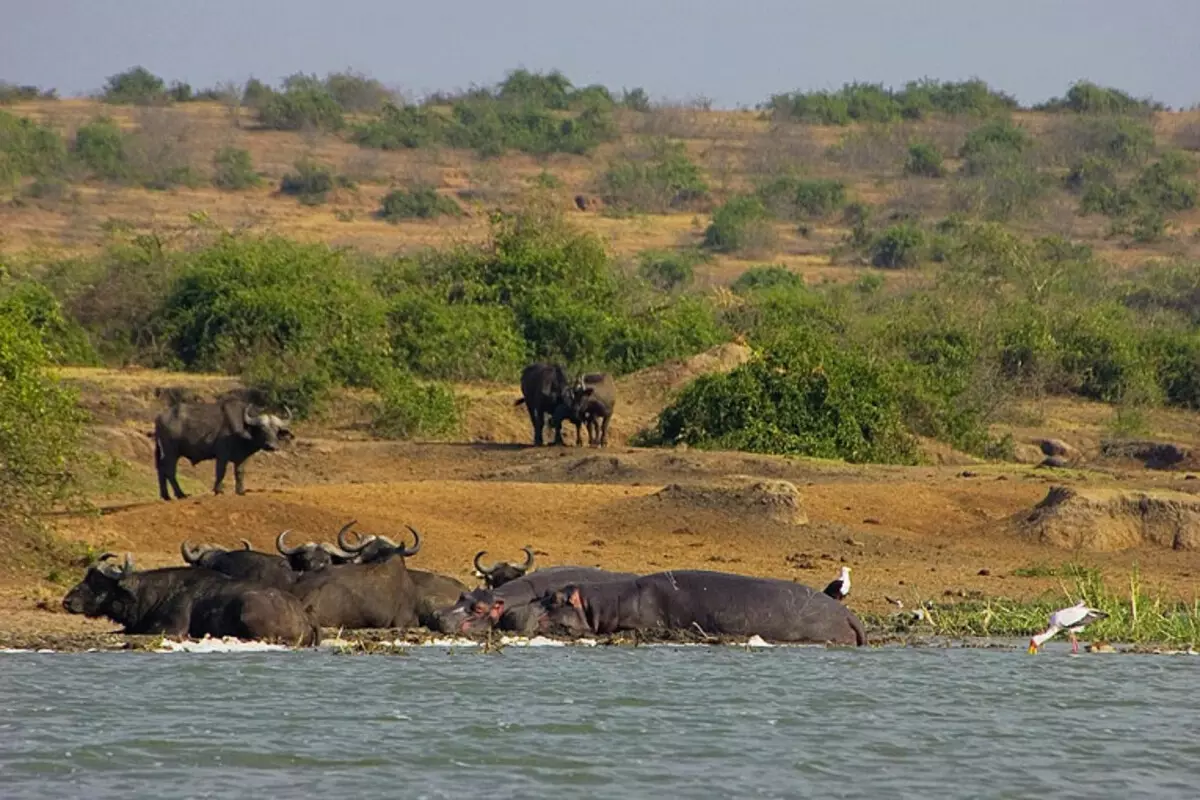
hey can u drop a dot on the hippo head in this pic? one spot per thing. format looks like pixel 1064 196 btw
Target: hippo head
pixel 267 430
pixel 103 591
pixel 562 613
pixel 500 574
pixel 475 612
pixel 311 556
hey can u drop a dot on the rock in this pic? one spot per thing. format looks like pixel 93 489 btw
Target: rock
pixel 1027 454
pixel 984 572
pixel 1055 462
pixel 1057 447
pixel 1108 520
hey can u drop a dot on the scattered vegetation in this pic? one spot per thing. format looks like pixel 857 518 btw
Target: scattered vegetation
pixel 417 202
pixel 233 169
pixel 655 175
pixel 872 102
pixel 311 182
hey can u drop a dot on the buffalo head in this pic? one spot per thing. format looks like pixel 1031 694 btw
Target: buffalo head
pixel 267 430
pixel 202 555
pixel 310 556
pixel 373 547
pixel 500 574
pixel 100 593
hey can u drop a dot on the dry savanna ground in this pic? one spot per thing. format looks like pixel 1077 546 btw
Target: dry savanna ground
pixel 950 530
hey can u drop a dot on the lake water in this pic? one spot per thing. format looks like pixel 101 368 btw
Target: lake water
pixel 664 722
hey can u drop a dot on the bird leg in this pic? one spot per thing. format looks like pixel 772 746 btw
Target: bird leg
pixel 1074 643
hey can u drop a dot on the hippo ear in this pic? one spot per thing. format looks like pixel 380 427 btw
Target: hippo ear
pixel 574 598
pixel 497 610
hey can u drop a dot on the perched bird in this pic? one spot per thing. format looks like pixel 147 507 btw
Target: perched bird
pixel 897 602
pixel 1070 620
pixel 839 588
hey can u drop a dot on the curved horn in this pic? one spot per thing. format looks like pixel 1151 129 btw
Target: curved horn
pixel 105 556
pixel 246 544
pixel 334 550
pixel 528 565
pixel 114 572
pixel 287 415
pixel 247 417
pixel 408 552
pixel 363 541
pixel 190 554
pixel 479 568
pixel 282 548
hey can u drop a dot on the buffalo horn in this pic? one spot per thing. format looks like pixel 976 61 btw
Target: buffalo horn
pixel 408 552
pixel 246 544
pixel 190 554
pixel 284 549
pixel 334 550
pixel 287 415
pixel 481 570
pixel 528 565
pixel 363 541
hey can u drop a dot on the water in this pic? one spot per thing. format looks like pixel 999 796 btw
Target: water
pixel 600 722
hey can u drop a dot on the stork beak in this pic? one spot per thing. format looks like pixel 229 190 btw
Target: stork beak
pixel 1033 648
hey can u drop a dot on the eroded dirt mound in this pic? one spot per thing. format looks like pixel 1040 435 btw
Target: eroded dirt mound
pixel 778 501
pixel 1114 519
pixel 1150 454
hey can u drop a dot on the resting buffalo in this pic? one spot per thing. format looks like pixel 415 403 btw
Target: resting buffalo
pixel 500 574
pixel 543 389
pixel 590 401
pixel 311 556
pixel 244 564
pixel 714 603
pixel 378 594
pixel 514 606
pixel 434 591
pixel 229 430
pixel 190 601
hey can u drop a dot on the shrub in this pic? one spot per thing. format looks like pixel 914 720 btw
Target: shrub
pixel 802 199
pixel 924 161
pixel 356 92
pixel 805 395
pixel 244 299
pixel 64 341
pixel 655 176
pixel 551 90
pixel 1164 185
pixel 974 97
pixel 1122 140
pixel 669 269
pixel 28 149
pixel 311 182
pixel 768 277
pixel 233 169
pixel 12 93
pixel 137 86
pixel 293 381
pixel 305 103
pixel 408 408
pixel 635 99
pixel 739 225
pixel 101 146
pixel 41 426
pixel 992 142
pixel 1085 97
pixel 490 126
pixel 255 94
pixel 158 152
pixel 1099 354
pixel 418 202
pixel 435 338
pixel 399 127
pixel 898 246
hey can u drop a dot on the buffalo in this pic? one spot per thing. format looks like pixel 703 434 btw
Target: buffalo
pixel 712 603
pixel 543 389
pixel 311 556
pixel 190 601
pixel 514 605
pixel 229 431
pixel 378 594
pixel 244 564
pixel 500 574
pixel 589 401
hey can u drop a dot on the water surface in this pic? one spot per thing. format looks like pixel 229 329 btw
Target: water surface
pixel 613 722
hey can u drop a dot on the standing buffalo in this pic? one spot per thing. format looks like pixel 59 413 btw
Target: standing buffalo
pixel 714 603
pixel 589 401
pixel 514 606
pixel 244 564
pixel 229 430
pixel 500 574
pixel 187 601
pixel 379 594
pixel 543 388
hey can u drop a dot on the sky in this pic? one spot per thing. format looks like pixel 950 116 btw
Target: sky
pixel 733 52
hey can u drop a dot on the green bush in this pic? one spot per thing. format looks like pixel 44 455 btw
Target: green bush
pixel 899 246
pixel 418 202
pixel 924 161
pixel 305 103
pixel 64 340
pixel 28 149
pixel 669 269
pixel 400 127
pixel 635 99
pixel 11 93
pixel 995 141
pixel 740 224
pixel 655 176
pixel 234 170
pixel 805 395
pixel 41 426
pixel 296 382
pixel 490 126
pixel 796 198
pixel 435 338
pixel 767 277
pixel 1085 97
pixel 244 299
pixel 137 86
pixel 408 408
pixel 101 146
pixel 1165 186
pixel 311 182
pixel 1099 353
pixel 356 92
pixel 869 102
pixel 551 90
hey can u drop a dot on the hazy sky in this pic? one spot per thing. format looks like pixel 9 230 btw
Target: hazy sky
pixel 732 51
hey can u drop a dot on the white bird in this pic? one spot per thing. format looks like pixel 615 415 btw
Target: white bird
pixel 1070 620
pixel 839 588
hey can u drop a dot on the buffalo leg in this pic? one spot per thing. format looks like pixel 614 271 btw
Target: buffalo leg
pixel 579 436
pixel 537 418
pixel 239 477
pixel 166 475
pixel 604 431
pixel 218 484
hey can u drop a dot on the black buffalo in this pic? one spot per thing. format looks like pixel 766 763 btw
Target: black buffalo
pixel 712 603
pixel 378 594
pixel 190 601
pixel 589 401
pixel 543 389
pixel 312 556
pixel 229 430
pixel 245 564
pixel 514 606
pixel 500 574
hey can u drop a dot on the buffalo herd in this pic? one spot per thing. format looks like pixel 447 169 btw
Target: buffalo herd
pixel 362 581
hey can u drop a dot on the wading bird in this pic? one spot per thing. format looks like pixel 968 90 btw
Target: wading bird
pixel 1070 620
pixel 839 588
